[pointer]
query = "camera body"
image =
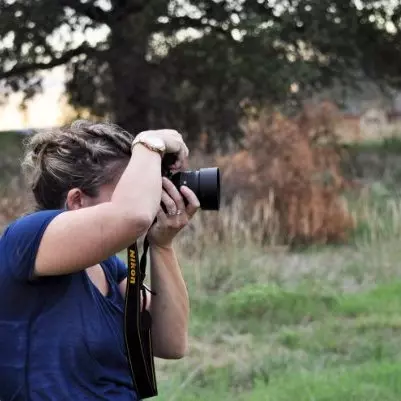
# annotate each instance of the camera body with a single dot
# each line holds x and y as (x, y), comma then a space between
(205, 183)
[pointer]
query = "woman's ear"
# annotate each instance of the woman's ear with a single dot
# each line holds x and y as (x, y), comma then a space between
(75, 199)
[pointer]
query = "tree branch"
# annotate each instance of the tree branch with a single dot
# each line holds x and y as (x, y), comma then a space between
(88, 9)
(123, 10)
(177, 23)
(24, 68)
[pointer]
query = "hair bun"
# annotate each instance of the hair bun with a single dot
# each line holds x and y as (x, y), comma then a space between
(83, 155)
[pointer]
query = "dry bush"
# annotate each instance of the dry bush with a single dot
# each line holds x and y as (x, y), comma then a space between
(293, 165)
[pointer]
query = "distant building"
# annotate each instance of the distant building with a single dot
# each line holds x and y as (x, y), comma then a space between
(374, 123)
(371, 113)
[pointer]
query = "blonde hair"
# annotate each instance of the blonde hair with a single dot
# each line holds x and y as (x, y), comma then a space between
(83, 155)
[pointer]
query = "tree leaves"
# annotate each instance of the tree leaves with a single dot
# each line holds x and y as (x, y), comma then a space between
(146, 72)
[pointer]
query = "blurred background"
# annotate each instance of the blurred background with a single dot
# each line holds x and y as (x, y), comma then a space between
(295, 284)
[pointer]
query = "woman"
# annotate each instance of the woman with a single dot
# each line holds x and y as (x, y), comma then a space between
(61, 289)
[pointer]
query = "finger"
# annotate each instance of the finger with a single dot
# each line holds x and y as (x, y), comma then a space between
(173, 192)
(165, 132)
(182, 154)
(169, 203)
(185, 150)
(174, 132)
(180, 161)
(186, 164)
(193, 201)
(176, 166)
(161, 217)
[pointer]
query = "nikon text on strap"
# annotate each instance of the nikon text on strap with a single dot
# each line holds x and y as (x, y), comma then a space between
(137, 326)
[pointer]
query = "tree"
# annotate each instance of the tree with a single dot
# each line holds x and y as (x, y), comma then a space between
(145, 72)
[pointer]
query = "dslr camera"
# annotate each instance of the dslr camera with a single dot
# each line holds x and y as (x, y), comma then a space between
(205, 183)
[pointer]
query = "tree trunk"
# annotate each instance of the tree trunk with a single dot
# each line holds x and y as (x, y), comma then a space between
(130, 72)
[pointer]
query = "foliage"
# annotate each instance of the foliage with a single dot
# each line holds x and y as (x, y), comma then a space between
(295, 166)
(191, 64)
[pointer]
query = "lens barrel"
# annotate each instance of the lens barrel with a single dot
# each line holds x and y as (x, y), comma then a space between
(205, 183)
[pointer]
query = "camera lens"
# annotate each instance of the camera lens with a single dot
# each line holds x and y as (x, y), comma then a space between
(205, 183)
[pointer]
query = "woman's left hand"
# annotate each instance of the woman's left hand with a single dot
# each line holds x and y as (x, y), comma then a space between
(169, 224)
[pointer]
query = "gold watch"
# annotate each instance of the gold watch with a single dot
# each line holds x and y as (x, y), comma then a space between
(151, 142)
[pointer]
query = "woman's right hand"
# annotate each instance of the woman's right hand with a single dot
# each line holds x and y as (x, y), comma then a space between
(174, 144)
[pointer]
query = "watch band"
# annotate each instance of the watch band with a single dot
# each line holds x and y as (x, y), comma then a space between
(143, 141)
(150, 147)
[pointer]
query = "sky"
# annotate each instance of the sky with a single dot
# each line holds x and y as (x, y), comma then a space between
(43, 111)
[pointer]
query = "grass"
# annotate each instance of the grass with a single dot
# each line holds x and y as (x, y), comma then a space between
(10, 150)
(309, 328)
(372, 381)
(10, 143)
(388, 145)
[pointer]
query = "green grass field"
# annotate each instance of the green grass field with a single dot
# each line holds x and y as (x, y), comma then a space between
(319, 324)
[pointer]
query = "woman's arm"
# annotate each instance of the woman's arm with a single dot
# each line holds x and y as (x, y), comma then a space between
(170, 306)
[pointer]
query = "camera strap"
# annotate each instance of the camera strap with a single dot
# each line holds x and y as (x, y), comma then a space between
(137, 325)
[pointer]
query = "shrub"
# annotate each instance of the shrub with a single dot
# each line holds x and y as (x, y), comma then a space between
(294, 167)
